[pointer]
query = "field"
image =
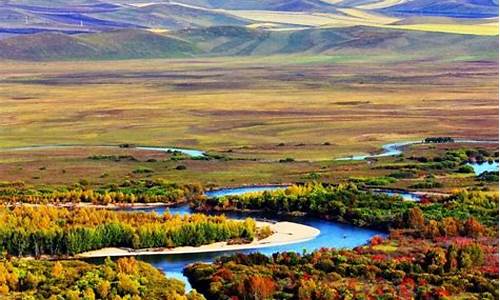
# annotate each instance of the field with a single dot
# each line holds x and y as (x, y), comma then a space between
(67, 166)
(317, 109)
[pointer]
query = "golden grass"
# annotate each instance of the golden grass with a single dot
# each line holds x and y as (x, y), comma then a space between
(350, 17)
(158, 30)
(359, 16)
(295, 18)
(365, 17)
(487, 28)
(385, 248)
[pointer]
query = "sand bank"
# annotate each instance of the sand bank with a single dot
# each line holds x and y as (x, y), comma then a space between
(284, 233)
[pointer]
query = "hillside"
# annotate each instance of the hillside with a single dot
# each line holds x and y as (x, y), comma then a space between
(240, 41)
(77, 16)
(124, 44)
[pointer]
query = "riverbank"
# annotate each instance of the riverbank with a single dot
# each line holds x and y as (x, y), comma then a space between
(111, 206)
(284, 233)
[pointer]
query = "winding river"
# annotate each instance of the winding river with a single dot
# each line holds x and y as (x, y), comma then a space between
(393, 149)
(333, 235)
(189, 152)
(390, 149)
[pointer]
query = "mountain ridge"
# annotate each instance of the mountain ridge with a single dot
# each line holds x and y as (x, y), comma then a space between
(240, 41)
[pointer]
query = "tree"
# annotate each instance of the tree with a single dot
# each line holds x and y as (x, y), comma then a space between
(57, 269)
(473, 228)
(450, 227)
(416, 218)
(127, 285)
(431, 229)
(103, 289)
(88, 294)
(259, 287)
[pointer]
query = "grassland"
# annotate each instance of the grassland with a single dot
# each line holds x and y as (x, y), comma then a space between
(486, 28)
(299, 107)
(66, 166)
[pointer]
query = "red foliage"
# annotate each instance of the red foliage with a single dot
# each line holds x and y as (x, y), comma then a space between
(376, 240)
(224, 273)
(441, 292)
(352, 283)
(491, 264)
(425, 200)
(263, 287)
(404, 258)
(408, 281)
(379, 257)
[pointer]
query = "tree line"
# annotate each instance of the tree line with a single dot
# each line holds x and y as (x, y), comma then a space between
(347, 203)
(135, 191)
(54, 231)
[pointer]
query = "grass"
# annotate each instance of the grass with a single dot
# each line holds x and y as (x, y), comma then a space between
(475, 29)
(238, 105)
(66, 166)
(385, 248)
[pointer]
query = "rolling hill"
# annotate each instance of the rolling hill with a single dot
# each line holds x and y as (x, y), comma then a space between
(241, 41)
(123, 44)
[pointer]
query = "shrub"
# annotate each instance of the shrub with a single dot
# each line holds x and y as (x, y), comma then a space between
(142, 170)
(465, 169)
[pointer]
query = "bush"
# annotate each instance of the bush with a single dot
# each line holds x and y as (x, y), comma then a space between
(429, 184)
(465, 169)
(142, 170)
(488, 176)
(403, 174)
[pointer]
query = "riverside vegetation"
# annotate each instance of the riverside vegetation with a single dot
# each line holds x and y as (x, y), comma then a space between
(442, 246)
(347, 203)
(435, 249)
(127, 192)
(53, 231)
(126, 278)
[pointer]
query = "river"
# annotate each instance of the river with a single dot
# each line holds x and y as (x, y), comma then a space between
(333, 234)
(393, 149)
(479, 168)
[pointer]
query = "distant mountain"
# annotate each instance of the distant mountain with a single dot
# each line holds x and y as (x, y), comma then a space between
(173, 16)
(240, 41)
(446, 8)
(17, 16)
(272, 5)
